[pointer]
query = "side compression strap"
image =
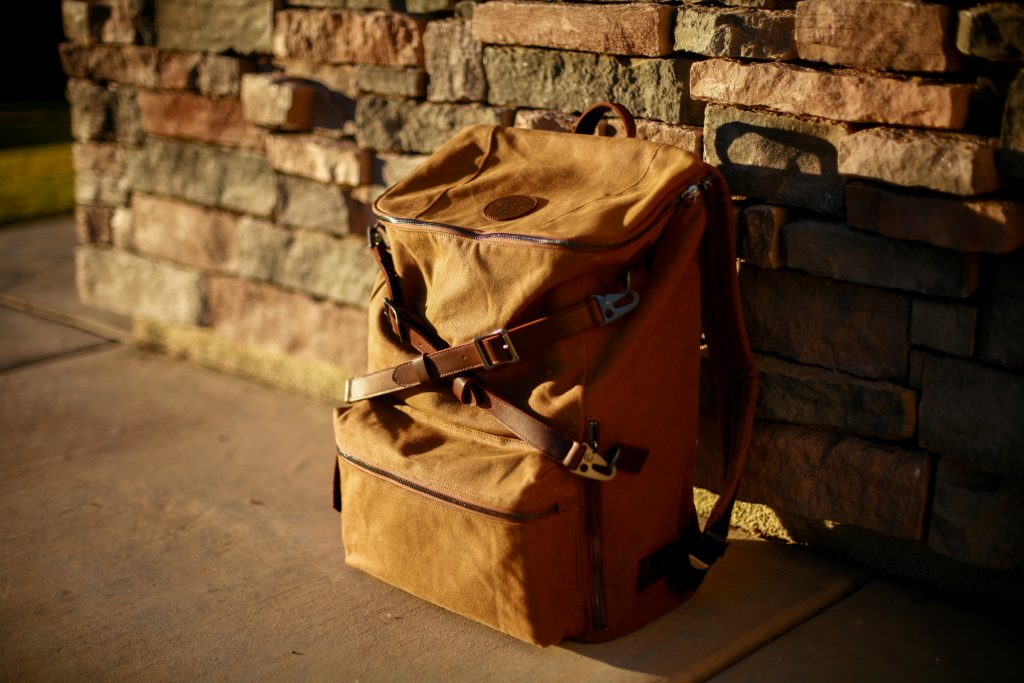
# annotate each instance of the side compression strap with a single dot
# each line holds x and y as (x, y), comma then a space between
(732, 363)
(735, 380)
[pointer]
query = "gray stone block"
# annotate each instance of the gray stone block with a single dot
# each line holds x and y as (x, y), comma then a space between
(572, 81)
(838, 251)
(778, 158)
(971, 413)
(204, 174)
(860, 330)
(393, 125)
(244, 26)
(124, 283)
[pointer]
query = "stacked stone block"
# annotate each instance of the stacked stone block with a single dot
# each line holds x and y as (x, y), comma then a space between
(228, 154)
(880, 258)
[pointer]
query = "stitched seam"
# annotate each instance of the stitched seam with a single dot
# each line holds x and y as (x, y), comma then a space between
(453, 507)
(621, 192)
(479, 169)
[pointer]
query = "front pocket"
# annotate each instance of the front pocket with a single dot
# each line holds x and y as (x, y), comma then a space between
(481, 525)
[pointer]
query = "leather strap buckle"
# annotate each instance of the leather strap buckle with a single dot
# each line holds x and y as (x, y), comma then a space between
(373, 238)
(391, 312)
(593, 465)
(614, 306)
(708, 547)
(506, 344)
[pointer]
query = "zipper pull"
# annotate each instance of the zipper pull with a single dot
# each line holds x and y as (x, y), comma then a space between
(691, 194)
(592, 434)
(693, 191)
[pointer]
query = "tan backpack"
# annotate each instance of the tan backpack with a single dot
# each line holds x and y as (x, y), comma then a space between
(522, 451)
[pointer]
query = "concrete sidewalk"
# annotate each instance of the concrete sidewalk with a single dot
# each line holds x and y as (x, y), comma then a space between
(161, 521)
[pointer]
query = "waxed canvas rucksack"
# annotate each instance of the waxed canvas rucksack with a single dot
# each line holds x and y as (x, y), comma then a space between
(522, 448)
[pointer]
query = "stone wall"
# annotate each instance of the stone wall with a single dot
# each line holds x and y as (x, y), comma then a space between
(228, 152)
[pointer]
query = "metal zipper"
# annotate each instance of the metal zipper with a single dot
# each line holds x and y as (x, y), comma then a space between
(593, 496)
(510, 516)
(469, 233)
(500, 236)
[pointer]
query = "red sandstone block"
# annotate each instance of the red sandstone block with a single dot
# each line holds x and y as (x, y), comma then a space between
(971, 413)
(97, 158)
(993, 30)
(179, 70)
(79, 21)
(838, 251)
(863, 331)
(119, 281)
(631, 29)
(182, 232)
(948, 162)
(943, 326)
(274, 100)
(760, 235)
(454, 62)
(847, 95)
(194, 117)
(344, 37)
(741, 33)
(895, 35)
(984, 225)
(287, 322)
(91, 110)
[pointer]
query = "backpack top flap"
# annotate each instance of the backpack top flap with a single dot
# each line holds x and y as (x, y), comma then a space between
(587, 190)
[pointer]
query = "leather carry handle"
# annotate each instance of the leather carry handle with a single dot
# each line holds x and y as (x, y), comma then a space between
(588, 121)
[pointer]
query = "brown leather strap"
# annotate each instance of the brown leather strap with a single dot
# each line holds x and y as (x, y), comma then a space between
(732, 363)
(486, 352)
(588, 121)
(579, 457)
(393, 301)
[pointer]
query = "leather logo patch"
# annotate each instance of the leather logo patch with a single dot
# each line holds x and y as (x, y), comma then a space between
(512, 206)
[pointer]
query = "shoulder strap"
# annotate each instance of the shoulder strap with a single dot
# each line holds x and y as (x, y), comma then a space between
(732, 365)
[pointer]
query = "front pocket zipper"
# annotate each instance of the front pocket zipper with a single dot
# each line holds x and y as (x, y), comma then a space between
(420, 488)
(593, 498)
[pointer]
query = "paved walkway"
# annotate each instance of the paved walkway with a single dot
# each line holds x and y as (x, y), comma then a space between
(162, 522)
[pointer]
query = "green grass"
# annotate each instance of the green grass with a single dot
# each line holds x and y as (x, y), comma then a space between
(35, 182)
(36, 177)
